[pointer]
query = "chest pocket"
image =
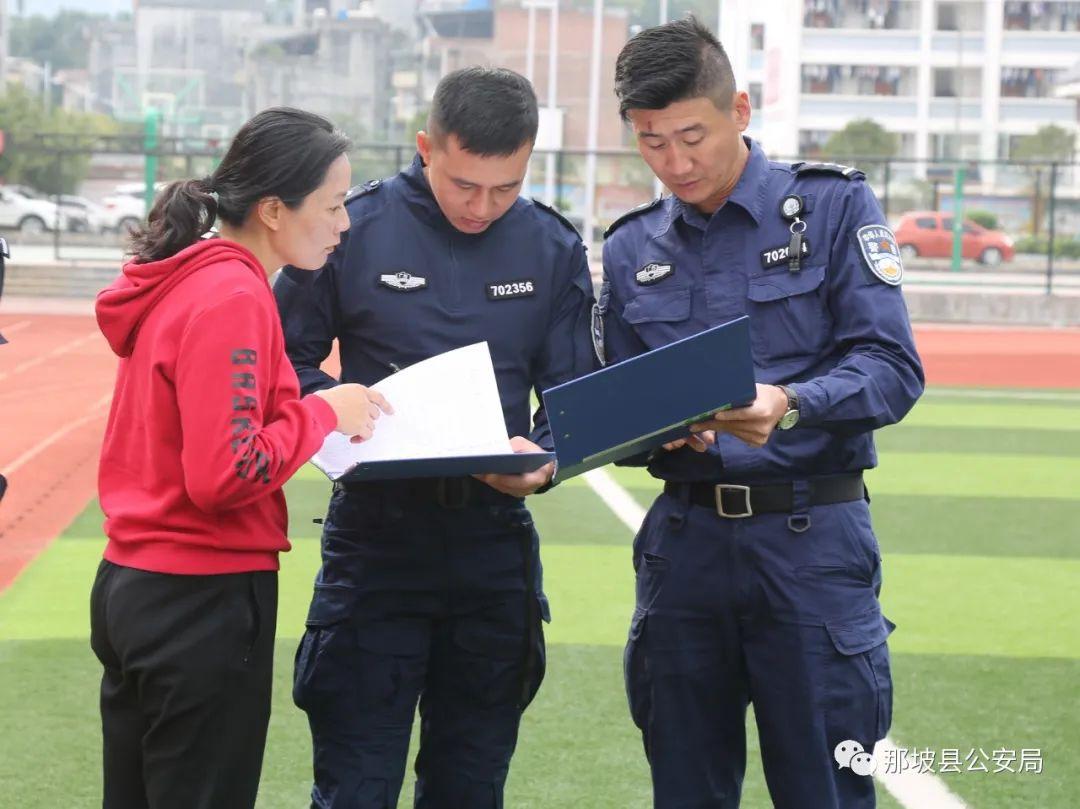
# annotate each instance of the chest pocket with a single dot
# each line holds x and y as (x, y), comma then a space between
(659, 316)
(788, 315)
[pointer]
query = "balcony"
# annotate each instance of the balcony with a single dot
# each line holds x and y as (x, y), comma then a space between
(954, 42)
(858, 80)
(946, 109)
(835, 41)
(857, 14)
(1043, 110)
(858, 106)
(1059, 44)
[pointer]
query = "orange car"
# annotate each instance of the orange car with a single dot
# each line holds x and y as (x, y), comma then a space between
(929, 234)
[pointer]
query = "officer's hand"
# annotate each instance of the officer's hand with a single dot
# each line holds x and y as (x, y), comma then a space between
(754, 424)
(525, 484)
(698, 442)
(357, 407)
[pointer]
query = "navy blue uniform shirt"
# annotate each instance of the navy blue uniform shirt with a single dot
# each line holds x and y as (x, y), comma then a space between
(405, 285)
(836, 331)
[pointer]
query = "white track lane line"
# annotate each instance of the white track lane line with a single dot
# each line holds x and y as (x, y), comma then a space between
(56, 352)
(97, 410)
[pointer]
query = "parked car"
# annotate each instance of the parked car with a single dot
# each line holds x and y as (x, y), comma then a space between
(125, 208)
(929, 234)
(89, 217)
(31, 215)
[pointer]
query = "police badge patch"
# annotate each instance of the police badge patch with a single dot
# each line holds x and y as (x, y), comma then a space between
(881, 253)
(403, 282)
(654, 273)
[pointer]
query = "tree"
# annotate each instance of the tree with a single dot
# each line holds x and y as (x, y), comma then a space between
(25, 117)
(62, 41)
(1049, 142)
(860, 139)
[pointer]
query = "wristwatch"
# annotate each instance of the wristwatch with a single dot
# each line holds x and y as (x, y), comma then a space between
(791, 416)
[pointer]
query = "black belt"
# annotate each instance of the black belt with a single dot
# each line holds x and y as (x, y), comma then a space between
(734, 500)
(453, 493)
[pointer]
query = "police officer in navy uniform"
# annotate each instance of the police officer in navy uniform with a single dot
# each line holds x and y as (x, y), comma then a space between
(430, 590)
(758, 572)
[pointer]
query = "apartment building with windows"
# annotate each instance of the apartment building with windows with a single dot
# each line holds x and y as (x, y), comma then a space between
(952, 78)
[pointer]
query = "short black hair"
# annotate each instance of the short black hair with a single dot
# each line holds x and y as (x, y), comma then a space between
(491, 110)
(673, 62)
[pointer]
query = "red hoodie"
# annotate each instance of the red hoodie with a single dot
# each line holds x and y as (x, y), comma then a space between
(207, 422)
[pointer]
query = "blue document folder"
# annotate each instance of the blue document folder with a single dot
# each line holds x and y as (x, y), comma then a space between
(455, 466)
(648, 400)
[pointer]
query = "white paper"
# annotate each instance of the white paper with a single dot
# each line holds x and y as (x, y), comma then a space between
(445, 406)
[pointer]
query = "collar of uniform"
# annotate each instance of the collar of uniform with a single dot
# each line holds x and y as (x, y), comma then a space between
(749, 194)
(418, 193)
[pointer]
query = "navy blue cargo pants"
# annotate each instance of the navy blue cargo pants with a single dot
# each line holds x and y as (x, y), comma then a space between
(424, 602)
(731, 612)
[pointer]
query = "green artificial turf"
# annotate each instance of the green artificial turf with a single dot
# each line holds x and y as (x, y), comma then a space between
(976, 509)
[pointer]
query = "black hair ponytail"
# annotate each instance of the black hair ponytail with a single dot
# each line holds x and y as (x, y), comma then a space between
(281, 152)
(183, 212)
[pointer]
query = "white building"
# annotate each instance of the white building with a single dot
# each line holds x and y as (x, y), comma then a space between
(954, 79)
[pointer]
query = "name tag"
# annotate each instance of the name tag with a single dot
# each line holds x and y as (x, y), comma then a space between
(779, 255)
(506, 290)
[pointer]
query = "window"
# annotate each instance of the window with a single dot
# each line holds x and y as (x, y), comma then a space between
(1028, 82)
(926, 222)
(946, 223)
(754, 92)
(960, 16)
(757, 36)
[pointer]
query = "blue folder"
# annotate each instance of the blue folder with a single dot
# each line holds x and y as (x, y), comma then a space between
(453, 466)
(648, 400)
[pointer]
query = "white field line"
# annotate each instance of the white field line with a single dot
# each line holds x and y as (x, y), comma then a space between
(912, 789)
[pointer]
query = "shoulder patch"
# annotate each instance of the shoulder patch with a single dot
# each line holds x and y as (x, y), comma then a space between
(881, 253)
(847, 172)
(626, 217)
(557, 215)
(361, 190)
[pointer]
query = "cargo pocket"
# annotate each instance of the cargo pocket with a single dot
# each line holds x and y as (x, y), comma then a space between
(860, 692)
(536, 652)
(388, 665)
(636, 671)
(788, 318)
(326, 621)
(491, 663)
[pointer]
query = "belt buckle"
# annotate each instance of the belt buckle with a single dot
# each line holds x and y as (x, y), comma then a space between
(452, 493)
(720, 488)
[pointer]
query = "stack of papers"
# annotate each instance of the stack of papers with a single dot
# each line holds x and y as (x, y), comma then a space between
(447, 421)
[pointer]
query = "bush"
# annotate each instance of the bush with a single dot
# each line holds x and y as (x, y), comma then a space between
(987, 219)
(1063, 247)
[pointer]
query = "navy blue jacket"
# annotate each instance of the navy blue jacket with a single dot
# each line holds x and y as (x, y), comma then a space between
(836, 330)
(405, 285)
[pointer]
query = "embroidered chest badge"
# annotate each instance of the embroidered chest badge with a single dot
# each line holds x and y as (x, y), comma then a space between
(403, 281)
(653, 273)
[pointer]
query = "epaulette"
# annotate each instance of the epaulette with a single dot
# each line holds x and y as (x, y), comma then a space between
(360, 190)
(557, 215)
(847, 172)
(626, 217)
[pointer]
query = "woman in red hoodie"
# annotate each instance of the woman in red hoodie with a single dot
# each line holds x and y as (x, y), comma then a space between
(206, 425)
